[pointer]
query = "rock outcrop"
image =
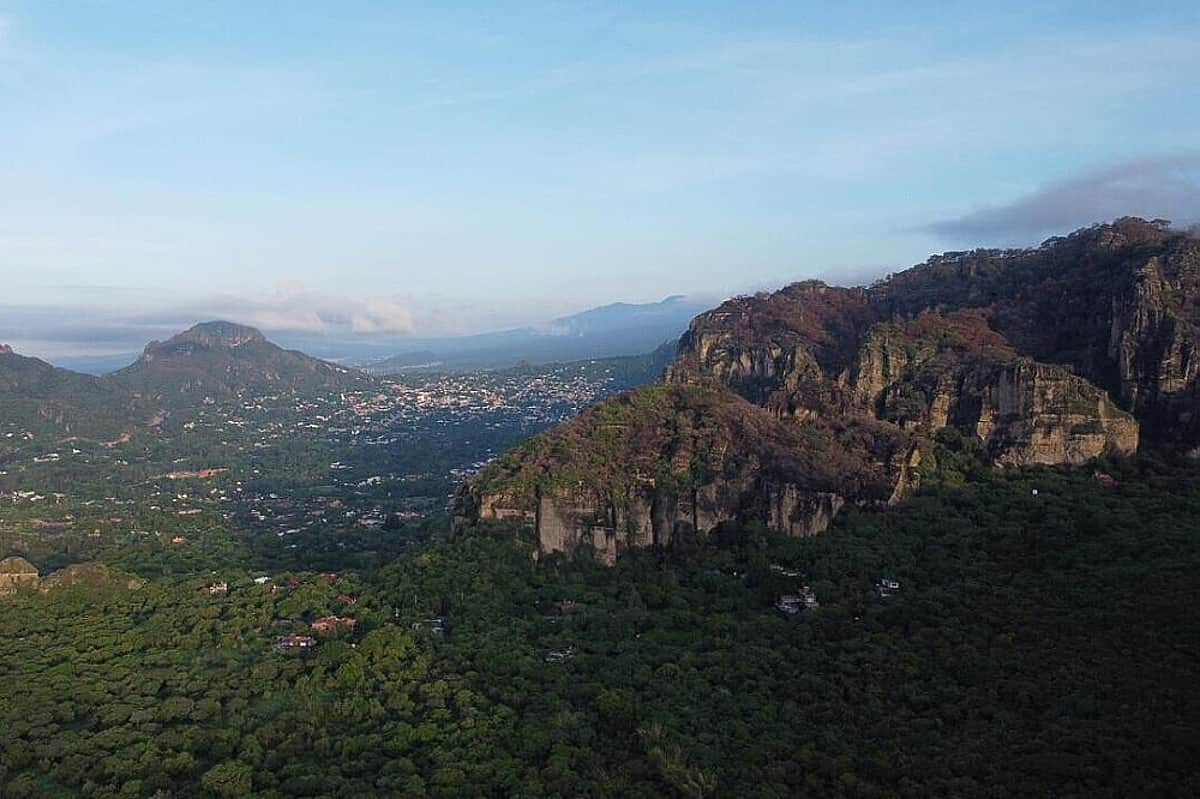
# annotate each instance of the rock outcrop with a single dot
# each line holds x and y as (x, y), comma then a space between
(664, 462)
(1118, 303)
(17, 573)
(790, 405)
(940, 371)
(91, 577)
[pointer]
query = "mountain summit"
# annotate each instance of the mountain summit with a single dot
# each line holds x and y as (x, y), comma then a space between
(220, 358)
(212, 335)
(789, 405)
(211, 360)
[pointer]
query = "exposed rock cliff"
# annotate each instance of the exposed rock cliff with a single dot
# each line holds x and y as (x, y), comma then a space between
(665, 461)
(17, 573)
(1118, 303)
(938, 371)
(1057, 354)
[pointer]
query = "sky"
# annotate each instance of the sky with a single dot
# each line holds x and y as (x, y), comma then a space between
(389, 169)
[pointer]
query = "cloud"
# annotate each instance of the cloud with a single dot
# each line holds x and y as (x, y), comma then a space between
(1165, 187)
(382, 315)
(108, 327)
(293, 308)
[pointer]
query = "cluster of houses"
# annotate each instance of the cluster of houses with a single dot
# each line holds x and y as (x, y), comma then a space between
(804, 599)
(326, 625)
(17, 497)
(559, 655)
(323, 626)
(561, 608)
(332, 624)
(284, 643)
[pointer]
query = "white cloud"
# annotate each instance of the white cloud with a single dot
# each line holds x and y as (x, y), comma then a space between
(292, 307)
(382, 315)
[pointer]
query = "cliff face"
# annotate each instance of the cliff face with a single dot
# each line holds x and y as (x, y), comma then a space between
(665, 462)
(953, 371)
(1119, 304)
(1153, 342)
(1057, 354)
(921, 374)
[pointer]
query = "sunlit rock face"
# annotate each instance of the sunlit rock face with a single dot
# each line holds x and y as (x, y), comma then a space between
(788, 406)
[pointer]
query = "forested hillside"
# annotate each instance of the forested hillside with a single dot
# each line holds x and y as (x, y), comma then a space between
(1036, 644)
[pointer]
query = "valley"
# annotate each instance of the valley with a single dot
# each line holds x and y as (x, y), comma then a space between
(599, 400)
(344, 473)
(878, 541)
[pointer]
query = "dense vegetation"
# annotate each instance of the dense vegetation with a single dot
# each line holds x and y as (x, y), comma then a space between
(1040, 644)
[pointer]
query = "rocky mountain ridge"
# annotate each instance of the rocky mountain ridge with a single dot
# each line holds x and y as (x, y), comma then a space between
(223, 358)
(1062, 353)
(211, 360)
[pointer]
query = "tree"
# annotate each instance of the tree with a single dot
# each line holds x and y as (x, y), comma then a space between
(230, 778)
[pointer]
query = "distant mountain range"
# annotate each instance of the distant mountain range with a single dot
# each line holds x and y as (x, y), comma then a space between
(614, 330)
(604, 332)
(217, 361)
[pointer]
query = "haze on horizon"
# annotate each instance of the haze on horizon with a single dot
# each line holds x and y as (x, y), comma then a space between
(371, 170)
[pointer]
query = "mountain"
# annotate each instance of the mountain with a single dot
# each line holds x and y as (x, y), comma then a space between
(36, 396)
(223, 358)
(210, 360)
(786, 406)
(608, 331)
(624, 316)
(641, 469)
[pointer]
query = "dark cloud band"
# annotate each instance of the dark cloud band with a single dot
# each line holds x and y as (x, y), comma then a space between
(1165, 187)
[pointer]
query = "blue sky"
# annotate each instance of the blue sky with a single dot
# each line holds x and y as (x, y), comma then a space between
(391, 167)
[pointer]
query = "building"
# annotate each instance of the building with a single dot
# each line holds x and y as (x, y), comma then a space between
(436, 626)
(791, 604)
(331, 624)
(887, 587)
(286, 642)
